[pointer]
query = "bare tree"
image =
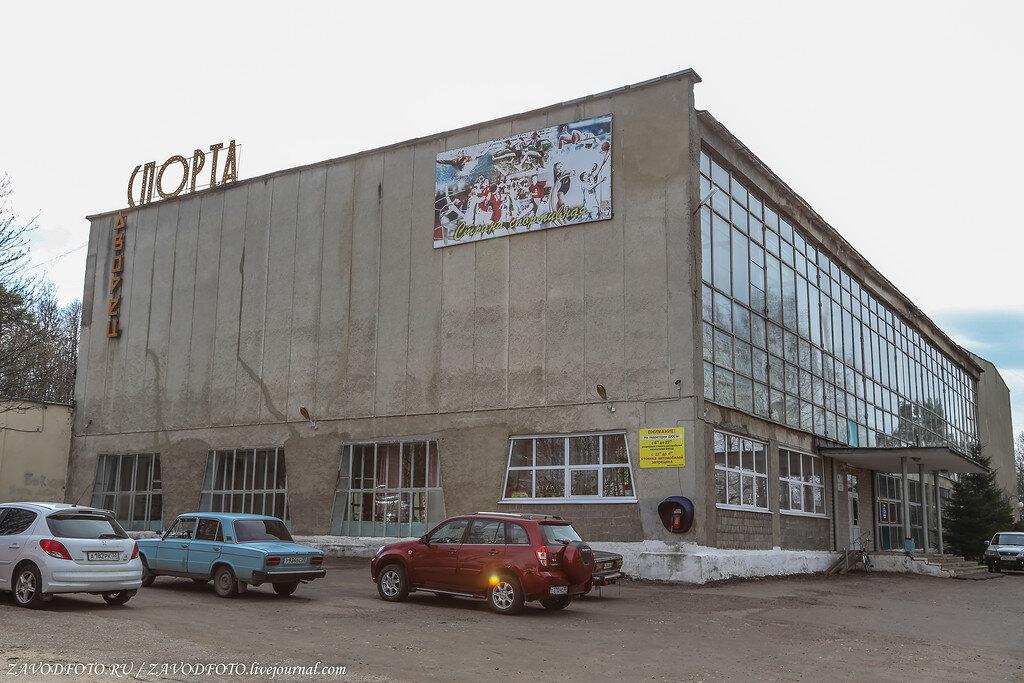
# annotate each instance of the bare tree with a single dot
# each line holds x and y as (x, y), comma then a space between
(38, 336)
(19, 334)
(46, 371)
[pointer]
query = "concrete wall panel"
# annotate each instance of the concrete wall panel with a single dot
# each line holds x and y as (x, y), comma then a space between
(252, 328)
(204, 316)
(309, 263)
(364, 299)
(282, 269)
(140, 239)
(455, 379)
(425, 273)
(393, 309)
(154, 404)
(176, 399)
(229, 306)
(335, 291)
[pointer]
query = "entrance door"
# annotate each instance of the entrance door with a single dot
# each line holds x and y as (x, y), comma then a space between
(854, 520)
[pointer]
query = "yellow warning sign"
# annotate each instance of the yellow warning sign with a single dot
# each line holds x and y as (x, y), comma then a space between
(662, 448)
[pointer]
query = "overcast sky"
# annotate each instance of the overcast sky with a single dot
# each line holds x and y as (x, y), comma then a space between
(899, 122)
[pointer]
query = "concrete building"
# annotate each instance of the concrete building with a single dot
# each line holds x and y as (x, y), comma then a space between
(35, 439)
(295, 344)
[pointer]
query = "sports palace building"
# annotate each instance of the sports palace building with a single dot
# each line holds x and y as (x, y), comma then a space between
(583, 310)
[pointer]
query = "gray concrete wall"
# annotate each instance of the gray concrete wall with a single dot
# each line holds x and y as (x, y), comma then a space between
(995, 428)
(320, 287)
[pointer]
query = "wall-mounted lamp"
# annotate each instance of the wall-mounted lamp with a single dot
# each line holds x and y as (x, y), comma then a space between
(704, 201)
(604, 397)
(305, 414)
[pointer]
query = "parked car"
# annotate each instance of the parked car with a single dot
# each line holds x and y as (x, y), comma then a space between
(48, 548)
(506, 559)
(607, 567)
(234, 550)
(1005, 551)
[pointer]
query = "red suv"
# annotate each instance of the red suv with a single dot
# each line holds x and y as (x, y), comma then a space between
(507, 559)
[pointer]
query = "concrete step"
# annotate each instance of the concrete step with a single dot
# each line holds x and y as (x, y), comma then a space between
(956, 565)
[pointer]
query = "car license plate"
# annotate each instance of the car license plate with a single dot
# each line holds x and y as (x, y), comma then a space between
(99, 556)
(295, 560)
(559, 590)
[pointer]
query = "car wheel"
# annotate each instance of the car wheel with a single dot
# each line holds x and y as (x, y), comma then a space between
(991, 569)
(561, 602)
(224, 582)
(286, 588)
(148, 577)
(28, 587)
(506, 596)
(118, 597)
(393, 583)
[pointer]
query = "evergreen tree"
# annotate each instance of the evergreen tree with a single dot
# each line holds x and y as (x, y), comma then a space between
(976, 509)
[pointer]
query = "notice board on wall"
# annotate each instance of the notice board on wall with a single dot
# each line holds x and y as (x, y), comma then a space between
(662, 447)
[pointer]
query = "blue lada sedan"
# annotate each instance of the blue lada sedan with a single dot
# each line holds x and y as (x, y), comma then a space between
(234, 550)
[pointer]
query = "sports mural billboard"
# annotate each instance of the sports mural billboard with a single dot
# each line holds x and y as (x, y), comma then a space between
(531, 181)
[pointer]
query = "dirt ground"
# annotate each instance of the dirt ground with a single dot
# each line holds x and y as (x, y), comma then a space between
(860, 626)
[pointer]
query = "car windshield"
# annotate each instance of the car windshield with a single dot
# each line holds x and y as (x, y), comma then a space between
(1008, 539)
(84, 525)
(559, 533)
(255, 530)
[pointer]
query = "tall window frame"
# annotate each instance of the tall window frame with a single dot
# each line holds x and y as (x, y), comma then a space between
(246, 480)
(741, 473)
(802, 483)
(129, 485)
(388, 488)
(585, 467)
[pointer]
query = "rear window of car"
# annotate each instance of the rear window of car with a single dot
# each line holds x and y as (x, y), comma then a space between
(559, 533)
(81, 525)
(256, 530)
(1008, 539)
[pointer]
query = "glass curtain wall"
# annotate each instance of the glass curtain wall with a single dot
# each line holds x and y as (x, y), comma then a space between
(790, 335)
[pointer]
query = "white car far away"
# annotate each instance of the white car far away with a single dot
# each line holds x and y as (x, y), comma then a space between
(48, 548)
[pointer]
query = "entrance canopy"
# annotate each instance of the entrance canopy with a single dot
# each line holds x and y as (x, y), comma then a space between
(932, 458)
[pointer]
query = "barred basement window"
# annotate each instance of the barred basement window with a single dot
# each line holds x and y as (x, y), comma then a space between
(741, 472)
(129, 484)
(250, 480)
(801, 482)
(388, 489)
(577, 468)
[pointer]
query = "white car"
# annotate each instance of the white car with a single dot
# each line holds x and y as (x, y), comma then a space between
(48, 548)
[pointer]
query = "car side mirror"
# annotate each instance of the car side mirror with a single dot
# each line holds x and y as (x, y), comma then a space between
(424, 541)
(986, 544)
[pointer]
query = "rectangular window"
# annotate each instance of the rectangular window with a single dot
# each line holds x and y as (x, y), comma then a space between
(577, 468)
(801, 482)
(249, 480)
(741, 472)
(129, 485)
(388, 489)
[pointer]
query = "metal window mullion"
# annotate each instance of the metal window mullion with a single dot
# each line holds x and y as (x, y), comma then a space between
(533, 463)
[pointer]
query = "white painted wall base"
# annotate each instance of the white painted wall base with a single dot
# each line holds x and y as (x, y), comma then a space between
(659, 561)
(895, 562)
